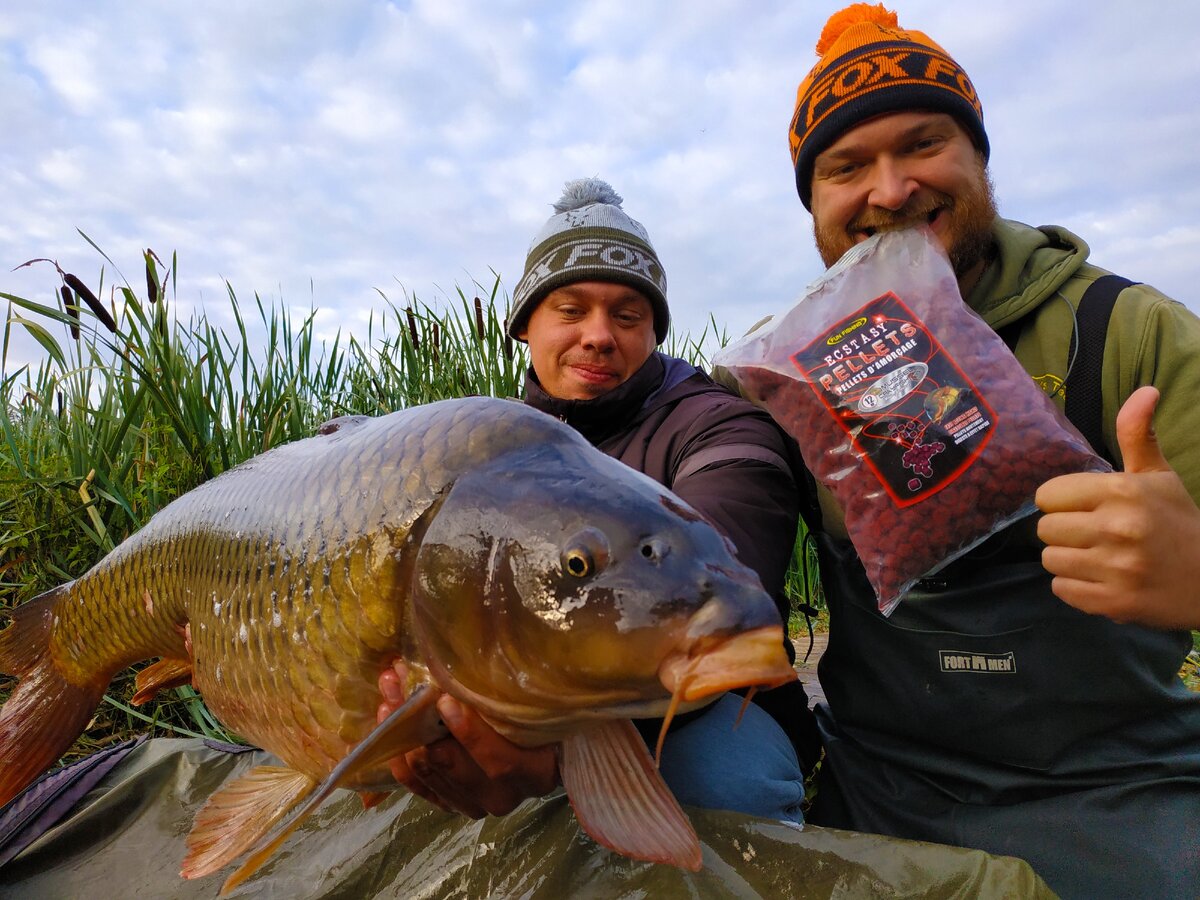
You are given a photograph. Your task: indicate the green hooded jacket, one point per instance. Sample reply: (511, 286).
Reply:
(1038, 278)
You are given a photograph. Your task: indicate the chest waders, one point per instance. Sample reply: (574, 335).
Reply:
(987, 713)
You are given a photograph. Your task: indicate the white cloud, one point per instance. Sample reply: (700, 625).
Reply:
(312, 152)
(68, 64)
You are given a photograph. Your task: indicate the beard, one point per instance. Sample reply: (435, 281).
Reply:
(968, 235)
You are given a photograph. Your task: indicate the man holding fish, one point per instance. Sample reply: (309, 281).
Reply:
(592, 307)
(1082, 753)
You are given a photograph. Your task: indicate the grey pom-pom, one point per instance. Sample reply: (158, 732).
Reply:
(585, 191)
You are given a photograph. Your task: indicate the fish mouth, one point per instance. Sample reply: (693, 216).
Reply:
(754, 658)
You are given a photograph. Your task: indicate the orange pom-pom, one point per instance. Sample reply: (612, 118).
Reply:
(854, 14)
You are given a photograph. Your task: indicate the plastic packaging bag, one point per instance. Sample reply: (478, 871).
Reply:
(908, 407)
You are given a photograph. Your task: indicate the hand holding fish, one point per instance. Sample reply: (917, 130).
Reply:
(476, 772)
(1122, 544)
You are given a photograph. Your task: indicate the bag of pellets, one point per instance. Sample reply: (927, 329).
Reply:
(907, 407)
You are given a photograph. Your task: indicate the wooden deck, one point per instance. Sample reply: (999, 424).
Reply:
(808, 668)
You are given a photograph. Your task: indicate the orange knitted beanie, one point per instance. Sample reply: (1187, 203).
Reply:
(869, 66)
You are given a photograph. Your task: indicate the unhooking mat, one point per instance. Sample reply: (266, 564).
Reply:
(125, 838)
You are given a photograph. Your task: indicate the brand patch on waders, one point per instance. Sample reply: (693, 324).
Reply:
(990, 663)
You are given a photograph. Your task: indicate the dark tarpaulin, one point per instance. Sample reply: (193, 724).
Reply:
(126, 838)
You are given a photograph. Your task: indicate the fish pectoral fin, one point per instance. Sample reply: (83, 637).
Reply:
(239, 814)
(621, 800)
(166, 673)
(414, 724)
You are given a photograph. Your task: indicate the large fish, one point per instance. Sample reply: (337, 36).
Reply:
(486, 544)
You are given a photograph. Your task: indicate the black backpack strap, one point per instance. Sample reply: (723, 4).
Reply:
(1084, 396)
(810, 506)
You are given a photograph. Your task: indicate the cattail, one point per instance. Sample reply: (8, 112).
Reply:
(412, 328)
(72, 310)
(82, 290)
(151, 281)
(437, 343)
(508, 345)
(479, 318)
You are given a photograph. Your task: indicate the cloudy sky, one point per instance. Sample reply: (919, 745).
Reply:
(314, 152)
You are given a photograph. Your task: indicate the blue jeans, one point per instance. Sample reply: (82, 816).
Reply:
(752, 769)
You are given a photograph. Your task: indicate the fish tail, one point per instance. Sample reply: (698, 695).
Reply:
(45, 712)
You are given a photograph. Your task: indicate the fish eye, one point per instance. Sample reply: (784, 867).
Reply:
(585, 554)
(653, 550)
(578, 562)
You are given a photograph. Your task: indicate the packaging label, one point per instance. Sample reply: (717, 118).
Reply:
(990, 663)
(911, 413)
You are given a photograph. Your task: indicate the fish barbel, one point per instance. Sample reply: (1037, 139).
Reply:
(489, 546)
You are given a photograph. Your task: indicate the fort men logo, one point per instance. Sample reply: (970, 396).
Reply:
(988, 663)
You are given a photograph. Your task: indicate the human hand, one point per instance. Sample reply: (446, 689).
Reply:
(475, 772)
(1124, 544)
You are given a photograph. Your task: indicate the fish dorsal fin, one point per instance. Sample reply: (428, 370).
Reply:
(414, 724)
(239, 814)
(621, 800)
(166, 673)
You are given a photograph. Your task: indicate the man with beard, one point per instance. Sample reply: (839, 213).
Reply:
(592, 307)
(1084, 756)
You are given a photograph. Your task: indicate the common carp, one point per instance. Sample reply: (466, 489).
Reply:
(487, 545)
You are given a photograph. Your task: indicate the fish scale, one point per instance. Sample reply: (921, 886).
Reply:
(247, 641)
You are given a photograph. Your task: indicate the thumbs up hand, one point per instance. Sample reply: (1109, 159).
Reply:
(1126, 544)
(1135, 433)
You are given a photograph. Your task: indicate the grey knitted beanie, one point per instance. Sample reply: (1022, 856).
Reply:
(590, 238)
